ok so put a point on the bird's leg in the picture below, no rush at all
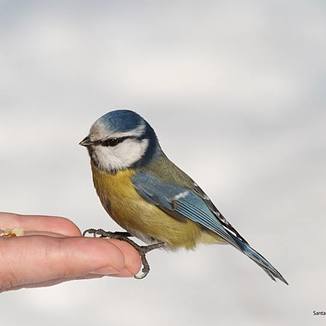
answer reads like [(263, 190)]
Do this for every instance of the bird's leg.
[(124, 236)]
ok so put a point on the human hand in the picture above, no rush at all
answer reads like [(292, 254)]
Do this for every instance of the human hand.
[(52, 251)]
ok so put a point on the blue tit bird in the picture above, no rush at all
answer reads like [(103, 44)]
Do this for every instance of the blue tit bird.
[(150, 197)]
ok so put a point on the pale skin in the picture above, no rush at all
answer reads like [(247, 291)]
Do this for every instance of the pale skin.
[(53, 250)]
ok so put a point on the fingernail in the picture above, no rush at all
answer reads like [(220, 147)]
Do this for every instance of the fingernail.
[(106, 270)]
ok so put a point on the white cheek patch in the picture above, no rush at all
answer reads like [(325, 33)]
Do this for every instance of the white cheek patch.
[(125, 154)]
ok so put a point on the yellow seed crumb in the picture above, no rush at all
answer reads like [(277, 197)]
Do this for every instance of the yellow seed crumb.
[(9, 233)]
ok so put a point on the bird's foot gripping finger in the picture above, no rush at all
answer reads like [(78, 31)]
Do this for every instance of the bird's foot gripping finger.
[(143, 250), (124, 236), (105, 234)]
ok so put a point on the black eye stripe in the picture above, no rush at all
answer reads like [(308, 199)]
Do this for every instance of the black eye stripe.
[(115, 141)]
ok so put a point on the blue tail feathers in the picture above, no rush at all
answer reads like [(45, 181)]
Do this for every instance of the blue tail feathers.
[(272, 272)]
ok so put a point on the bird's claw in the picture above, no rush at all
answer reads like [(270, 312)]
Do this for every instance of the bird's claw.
[(124, 236), (106, 234)]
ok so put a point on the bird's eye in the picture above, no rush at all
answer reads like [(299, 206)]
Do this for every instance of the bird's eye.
[(113, 141)]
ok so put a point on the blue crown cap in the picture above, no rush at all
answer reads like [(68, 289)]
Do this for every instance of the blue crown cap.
[(121, 120)]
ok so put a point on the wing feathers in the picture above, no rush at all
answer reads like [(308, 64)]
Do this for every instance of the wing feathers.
[(196, 206)]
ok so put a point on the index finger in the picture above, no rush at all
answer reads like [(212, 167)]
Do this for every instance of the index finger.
[(53, 224)]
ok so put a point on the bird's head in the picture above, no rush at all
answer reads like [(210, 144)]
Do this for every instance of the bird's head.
[(121, 139)]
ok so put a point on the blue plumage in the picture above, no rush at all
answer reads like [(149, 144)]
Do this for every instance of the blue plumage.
[(121, 120)]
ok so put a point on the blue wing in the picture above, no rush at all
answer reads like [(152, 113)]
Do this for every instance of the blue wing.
[(182, 202), (194, 204)]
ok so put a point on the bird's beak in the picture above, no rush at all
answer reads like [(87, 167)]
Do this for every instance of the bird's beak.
[(86, 142)]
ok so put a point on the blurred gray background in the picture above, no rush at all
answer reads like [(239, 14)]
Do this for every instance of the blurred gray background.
[(236, 93)]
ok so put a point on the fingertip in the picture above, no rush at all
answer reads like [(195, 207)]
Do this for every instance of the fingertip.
[(98, 253), (131, 256), (67, 227)]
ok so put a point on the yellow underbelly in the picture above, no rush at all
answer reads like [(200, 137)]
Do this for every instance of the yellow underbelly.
[(120, 199)]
